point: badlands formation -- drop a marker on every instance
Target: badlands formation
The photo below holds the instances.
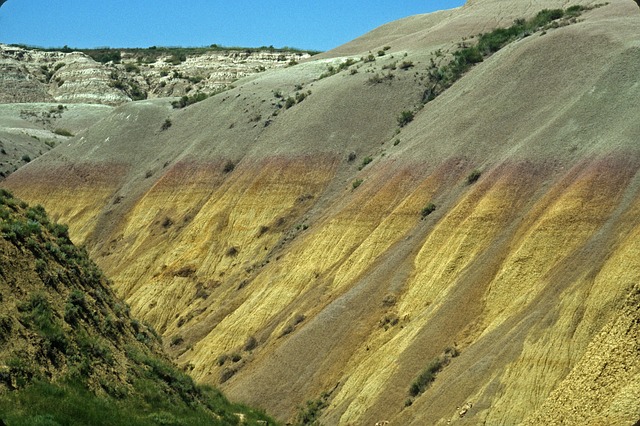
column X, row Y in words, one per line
column 342, row 239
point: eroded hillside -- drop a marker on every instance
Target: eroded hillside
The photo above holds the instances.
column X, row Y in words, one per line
column 345, row 232
column 116, row 76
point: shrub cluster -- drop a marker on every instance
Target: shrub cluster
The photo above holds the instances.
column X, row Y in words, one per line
column 490, row 43
column 428, row 375
column 185, row 101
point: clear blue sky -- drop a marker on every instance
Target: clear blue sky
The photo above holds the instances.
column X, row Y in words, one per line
column 319, row 25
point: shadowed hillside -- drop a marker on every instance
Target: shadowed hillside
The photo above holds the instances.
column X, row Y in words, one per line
column 426, row 225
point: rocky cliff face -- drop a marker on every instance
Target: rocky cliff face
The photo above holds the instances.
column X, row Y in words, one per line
column 38, row 76
column 356, row 232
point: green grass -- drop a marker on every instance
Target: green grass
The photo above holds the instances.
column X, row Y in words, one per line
column 69, row 403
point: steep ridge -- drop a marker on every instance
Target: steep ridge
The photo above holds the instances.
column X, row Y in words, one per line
column 279, row 244
column 70, row 352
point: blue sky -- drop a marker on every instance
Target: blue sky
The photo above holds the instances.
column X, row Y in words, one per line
column 319, row 25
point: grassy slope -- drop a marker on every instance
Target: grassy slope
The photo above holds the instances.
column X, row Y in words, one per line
column 347, row 291
column 70, row 353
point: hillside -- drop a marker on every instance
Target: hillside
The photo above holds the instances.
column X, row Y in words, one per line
column 116, row 76
column 56, row 94
column 423, row 226
column 70, row 353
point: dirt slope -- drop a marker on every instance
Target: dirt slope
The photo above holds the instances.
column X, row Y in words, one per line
column 280, row 244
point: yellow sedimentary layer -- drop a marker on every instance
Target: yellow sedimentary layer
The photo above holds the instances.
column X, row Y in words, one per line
column 81, row 194
column 495, row 255
column 207, row 230
column 466, row 230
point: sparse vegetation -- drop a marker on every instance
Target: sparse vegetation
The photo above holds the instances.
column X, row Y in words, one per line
column 380, row 78
column 346, row 64
column 489, row 43
column 331, row 70
column 389, row 320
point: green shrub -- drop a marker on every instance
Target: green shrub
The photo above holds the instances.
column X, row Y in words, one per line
column 75, row 307
column 63, row 132
column 575, row 9
column 250, row 344
column 289, row 102
column 377, row 78
column 426, row 377
column 427, row 210
column 366, row 161
column 346, row 64
column 302, row 96
column 405, row 65
column 331, row 70
column 222, row 359
column 309, row 413
column 189, row 100
column 166, row 125
column 369, row 58
column 106, row 55
column 473, row 176
column 131, row 68
column 405, row 118
column 229, row 166
column 26, row 158
column 356, row 183
column 177, row 58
